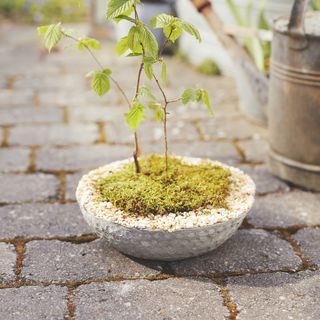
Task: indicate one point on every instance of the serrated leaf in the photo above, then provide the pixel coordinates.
(191, 94)
(191, 29)
(122, 46)
(161, 20)
(100, 82)
(88, 43)
(164, 73)
(134, 39)
(145, 92)
(206, 100)
(51, 35)
(157, 110)
(149, 41)
(118, 7)
(135, 116)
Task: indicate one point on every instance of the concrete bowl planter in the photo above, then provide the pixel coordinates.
(170, 237)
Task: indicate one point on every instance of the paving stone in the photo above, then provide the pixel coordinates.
(141, 299)
(81, 157)
(309, 241)
(30, 303)
(247, 250)
(91, 113)
(16, 98)
(221, 151)
(27, 187)
(151, 131)
(255, 150)
(277, 296)
(61, 261)
(72, 181)
(227, 127)
(12, 116)
(286, 210)
(7, 264)
(265, 181)
(14, 159)
(57, 134)
(42, 220)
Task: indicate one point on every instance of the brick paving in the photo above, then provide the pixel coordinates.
(53, 129)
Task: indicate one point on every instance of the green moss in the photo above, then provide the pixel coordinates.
(183, 188)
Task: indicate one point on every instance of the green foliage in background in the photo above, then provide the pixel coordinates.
(43, 11)
(259, 50)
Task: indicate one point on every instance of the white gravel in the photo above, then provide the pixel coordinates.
(240, 200)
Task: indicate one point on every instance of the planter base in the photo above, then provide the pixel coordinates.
(303, 175)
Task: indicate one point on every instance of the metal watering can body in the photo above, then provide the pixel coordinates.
(294, 99)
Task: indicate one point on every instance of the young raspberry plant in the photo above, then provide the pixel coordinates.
(139, 42)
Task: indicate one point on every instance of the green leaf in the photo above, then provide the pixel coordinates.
(191, 29)
(88, 43)
(51, 35)
(206, 100)
(149, 41)
(134, 39)
(160, 21)
(157, 110)
(135, 116)
(42, 30)
(173, 31)
(164, 73)
(126, 17)
(145, 92)
(100, 82)
(147, 66)
(118, 7)
(189, 95)
(122, 46)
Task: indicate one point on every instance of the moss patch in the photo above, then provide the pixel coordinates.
(183, 188)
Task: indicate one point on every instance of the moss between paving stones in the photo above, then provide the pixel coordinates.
(183, 188)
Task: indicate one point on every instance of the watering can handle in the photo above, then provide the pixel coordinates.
(297, 16)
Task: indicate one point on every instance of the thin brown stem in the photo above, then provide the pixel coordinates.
(136, 141)
(165, 121)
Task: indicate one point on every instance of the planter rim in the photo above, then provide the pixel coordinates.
(240, 200)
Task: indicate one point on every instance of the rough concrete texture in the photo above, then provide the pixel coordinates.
(181, 299)
(30, 303)
(277, 296)
(7, 262)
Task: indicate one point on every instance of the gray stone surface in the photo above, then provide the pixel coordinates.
(14, 159)
(179, 299)
(14, 98)
(286, 210)
(7, 263)
(81, 157)
(309, 241)
(247, 250)
(231, 128)
(61, 261)
(33, 303)
(151, 131)
(265, 182)
(12, 116)
(57, 134)
(277, 296)
(72, 181)
(42, 220)
(27, 187)
(221, 151)
(255, 150)
(91, 113)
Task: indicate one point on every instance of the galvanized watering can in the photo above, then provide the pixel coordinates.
(294, 98)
